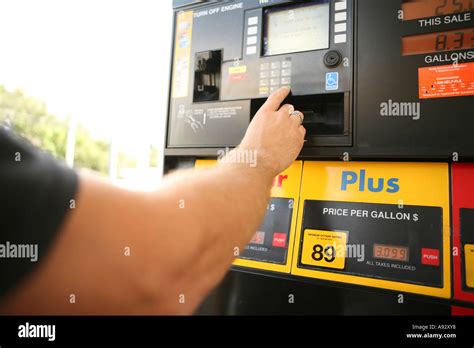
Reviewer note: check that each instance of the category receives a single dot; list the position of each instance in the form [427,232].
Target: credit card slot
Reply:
[326,117]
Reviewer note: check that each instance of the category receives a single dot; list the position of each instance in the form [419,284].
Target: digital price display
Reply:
[438,42]
[296,29]
[390,252]
[414,9]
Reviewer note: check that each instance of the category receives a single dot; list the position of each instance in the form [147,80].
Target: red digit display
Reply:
[438,42]
[390,252]
[414,9]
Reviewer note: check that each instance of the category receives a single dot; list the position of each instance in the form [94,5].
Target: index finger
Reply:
[276,98]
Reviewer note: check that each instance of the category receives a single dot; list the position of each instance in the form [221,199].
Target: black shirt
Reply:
[36,193]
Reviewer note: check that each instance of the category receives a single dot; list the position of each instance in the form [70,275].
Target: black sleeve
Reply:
[35,196]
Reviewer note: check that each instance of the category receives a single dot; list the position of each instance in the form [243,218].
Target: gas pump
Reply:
[373,207]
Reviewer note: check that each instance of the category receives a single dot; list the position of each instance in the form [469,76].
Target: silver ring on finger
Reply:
[299,115]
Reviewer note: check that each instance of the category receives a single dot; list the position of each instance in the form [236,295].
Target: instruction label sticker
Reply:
[454,80]
[238,73]
[182,54]
[241,69]
[324,248]
[469,262]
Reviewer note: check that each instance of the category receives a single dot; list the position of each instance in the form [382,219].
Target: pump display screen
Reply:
[296,29]
[390,252]
[438,42]
[414,9]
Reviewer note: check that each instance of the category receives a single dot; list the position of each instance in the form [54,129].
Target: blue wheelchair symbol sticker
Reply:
[332,81]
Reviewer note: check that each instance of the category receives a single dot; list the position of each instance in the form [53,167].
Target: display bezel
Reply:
[278,8]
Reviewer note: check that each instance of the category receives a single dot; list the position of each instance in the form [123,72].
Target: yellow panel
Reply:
[205,163]
[422,184]
[285,185]
[469,262]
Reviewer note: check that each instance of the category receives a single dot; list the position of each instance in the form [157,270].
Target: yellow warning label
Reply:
[237,69]
[324,248]
[469,262]
[182,54]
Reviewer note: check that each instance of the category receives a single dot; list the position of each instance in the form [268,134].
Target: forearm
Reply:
[207,199]
[218,209]
[157,253]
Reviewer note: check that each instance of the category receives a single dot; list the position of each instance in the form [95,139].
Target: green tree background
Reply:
[29,117]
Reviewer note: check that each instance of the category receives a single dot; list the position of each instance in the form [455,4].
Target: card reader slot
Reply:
[325,114]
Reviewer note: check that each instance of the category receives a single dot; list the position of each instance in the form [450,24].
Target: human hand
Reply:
[275,134]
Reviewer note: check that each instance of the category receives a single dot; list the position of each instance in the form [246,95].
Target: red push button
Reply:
[430,257]
[279,240]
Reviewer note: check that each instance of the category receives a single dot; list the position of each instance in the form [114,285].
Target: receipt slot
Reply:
[463,230]
[383,225]
[271,247]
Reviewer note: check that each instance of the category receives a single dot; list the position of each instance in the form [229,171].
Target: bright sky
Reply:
[105,62]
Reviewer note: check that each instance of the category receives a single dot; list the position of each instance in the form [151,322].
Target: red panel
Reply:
[463,197]
[461,311]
